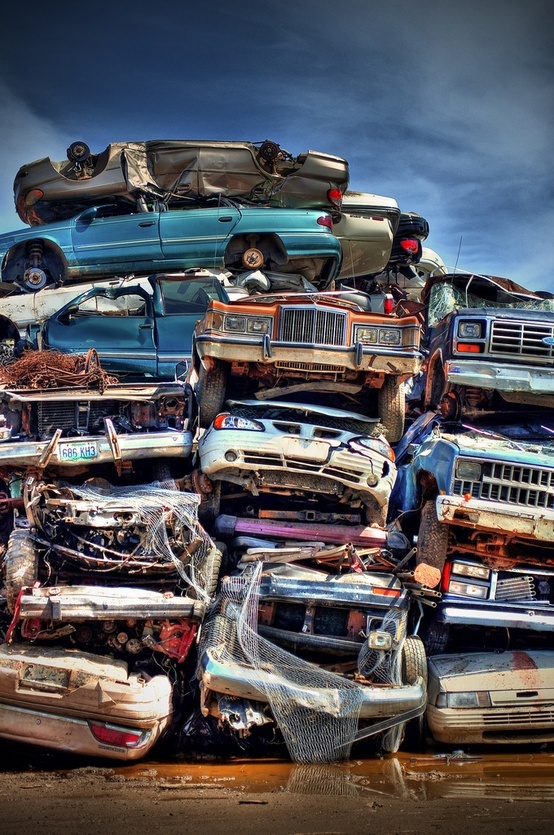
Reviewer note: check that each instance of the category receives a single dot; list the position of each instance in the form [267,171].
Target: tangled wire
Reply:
[52,369]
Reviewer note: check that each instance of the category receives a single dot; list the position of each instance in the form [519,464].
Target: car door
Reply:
[103,236]
[119,324]
[196,237]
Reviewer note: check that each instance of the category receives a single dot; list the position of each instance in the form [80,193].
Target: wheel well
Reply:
[269,243]
[434,382]
[8,329]
[16,260]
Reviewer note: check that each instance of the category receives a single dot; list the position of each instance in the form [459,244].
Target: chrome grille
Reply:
[510,483]
[515,588]
[524,339]
[312,325]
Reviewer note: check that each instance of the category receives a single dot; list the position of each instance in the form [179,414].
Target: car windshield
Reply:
[448,296]
[523,427]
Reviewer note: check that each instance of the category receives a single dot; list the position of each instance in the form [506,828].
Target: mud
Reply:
[402,793]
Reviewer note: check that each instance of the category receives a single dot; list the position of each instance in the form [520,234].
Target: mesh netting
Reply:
[316,710]
[168,531]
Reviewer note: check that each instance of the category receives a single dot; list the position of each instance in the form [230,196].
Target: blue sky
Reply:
[445,106]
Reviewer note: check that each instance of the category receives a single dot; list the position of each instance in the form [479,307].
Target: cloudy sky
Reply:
[445,106]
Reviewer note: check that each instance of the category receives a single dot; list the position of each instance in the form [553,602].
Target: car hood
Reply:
[519,671]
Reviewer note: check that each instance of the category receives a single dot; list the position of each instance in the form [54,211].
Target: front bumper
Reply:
[95,449]
[512,520]
[492,725]
[245,682]
[494,374]
[339,359]
[460,611]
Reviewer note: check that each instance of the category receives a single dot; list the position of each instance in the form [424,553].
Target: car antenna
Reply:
[459,250]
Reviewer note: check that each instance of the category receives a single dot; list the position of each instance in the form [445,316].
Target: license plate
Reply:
[306,450]
[78,452]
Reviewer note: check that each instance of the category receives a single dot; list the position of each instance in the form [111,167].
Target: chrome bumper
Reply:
[502,518]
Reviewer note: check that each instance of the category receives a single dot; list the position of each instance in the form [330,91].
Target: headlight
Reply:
[364,445]
[226,421]
[470,330]
[468,470]
[258,325]
[464,700]
[365,335]
[479,572]
[390,336]
[214,320]
[468,590]
[235,323]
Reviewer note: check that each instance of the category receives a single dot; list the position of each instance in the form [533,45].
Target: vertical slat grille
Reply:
[510,483]
[312,325]
[523,339]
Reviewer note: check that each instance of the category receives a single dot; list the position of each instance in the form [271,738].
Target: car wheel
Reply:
[161,471]
[208,577]
[413,665]
[21,565]
[392,407]
[78,152]
[210,392]
[432,539]
[253,258]
[435,637]
[208,509]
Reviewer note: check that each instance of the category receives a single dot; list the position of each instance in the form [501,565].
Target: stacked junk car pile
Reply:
[273,478]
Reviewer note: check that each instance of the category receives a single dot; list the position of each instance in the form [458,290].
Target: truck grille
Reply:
[71,416]
[523,339]
[510,483]
[312,326]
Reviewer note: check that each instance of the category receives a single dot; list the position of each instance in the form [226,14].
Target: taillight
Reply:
[33,196]
[410,245]
[446,571]
[334,196]
[388,304]
[326,220]
[115,735]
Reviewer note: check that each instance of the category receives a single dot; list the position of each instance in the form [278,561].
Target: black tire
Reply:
[210,392]
[209,507]
[432,539]
[413,665]
[218,554]
[161,470]
[78,152]
[435,637]
[391,405]
[20,565]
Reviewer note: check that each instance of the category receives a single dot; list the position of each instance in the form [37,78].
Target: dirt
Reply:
[398,794]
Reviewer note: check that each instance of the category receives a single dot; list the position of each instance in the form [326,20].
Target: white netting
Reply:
[316,710]
[168,531]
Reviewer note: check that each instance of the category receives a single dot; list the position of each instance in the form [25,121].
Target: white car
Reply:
[491,698]
[299,449]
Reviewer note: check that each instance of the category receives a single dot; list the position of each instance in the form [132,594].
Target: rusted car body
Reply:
[491,342]
[491,698]
[323,342]
[176,171]
[71,701]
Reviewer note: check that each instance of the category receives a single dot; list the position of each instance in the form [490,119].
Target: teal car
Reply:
[139,330]
[107,240]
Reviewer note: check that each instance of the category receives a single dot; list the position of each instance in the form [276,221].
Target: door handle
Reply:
[226,219]
[147,223]
[147,326]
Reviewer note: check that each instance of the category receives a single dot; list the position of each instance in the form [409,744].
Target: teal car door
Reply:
[196,237]
[105,237]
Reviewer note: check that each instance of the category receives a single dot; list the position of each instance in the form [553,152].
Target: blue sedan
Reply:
[103,240]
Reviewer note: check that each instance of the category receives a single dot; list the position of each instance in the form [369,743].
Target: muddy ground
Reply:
[404,794]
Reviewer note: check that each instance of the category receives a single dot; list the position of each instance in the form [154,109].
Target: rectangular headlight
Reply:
[470,330]
[479,572]
[468,470]
[363,334]
[258,325]
[468,590]
[235,323]
[464,700]
[390,336]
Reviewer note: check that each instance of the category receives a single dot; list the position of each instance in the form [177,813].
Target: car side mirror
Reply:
[89,214]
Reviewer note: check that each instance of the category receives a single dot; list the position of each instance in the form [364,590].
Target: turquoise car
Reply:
[107,240]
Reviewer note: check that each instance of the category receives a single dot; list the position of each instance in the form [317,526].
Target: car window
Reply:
[130,304]
[192,296]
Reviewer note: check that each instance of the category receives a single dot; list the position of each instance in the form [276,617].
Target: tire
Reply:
[161,470]
[210,392]
[78,152]
[432,539]
[391,400]
[414,660]
[218,553]
[209,507]
[20,565]
[435,637]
